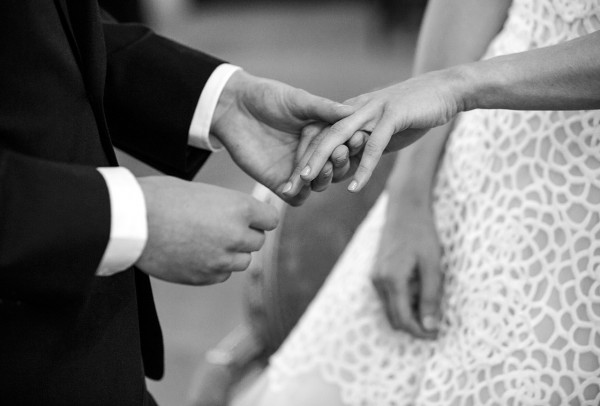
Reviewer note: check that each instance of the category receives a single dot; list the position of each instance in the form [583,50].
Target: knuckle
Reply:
[243,206]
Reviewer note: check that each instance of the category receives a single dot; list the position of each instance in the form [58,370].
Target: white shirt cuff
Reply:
[128,223]
[199,133]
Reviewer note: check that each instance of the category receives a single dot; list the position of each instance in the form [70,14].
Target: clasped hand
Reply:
[385,120]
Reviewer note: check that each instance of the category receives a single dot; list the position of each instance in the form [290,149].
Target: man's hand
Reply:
[260,123]
[199,234]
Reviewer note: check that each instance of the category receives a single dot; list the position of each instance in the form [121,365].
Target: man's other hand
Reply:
[199,234]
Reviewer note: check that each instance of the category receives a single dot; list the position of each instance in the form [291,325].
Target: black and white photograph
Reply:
[300,202]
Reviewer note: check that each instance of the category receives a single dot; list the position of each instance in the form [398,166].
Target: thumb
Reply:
[322,109]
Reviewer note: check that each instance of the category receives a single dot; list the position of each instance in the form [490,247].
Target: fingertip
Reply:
[430,323]
[357,141]
[340,156]
[353,186]
[305,172]
[274,221]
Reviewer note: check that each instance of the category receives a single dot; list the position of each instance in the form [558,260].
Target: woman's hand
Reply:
[407,274]
[341,164]
[394,117]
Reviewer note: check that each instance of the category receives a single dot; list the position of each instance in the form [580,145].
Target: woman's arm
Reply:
[559,77]
[453,32]
[409,249]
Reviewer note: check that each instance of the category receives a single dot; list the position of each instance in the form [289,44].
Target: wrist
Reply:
[476,85]
[464,83]
[229,100]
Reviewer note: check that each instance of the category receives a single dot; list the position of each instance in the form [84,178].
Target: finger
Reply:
[251,241]
[401,300]
[357,142]
[339,156]
[317,108]
[351,169]
[308,134]
[430,293]
[262,216]
[372,153]
[342,173]
[310,137]
[323,181]
[337,135]
[300,197]
[379,283]
[240,261]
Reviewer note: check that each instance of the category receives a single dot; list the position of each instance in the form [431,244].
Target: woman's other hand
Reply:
[407,275]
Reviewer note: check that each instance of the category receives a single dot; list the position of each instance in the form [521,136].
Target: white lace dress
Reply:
[518,213]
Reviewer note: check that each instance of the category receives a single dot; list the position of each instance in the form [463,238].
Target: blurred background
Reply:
[337,49]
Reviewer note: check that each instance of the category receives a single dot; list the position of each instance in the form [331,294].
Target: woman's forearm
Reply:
[446,39]
[411,180]
[560,77]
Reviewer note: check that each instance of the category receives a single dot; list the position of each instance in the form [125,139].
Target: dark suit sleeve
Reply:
[152,88]
[51,239]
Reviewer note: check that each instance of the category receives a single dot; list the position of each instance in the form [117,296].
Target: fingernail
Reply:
[353,185]
[287,187]
[305,171]
[430,323]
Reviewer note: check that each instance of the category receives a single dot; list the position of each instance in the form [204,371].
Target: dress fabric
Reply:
[517,207]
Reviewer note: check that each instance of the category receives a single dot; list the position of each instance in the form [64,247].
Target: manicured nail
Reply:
[287,187]
[430,323]
[353,185]
[305,171]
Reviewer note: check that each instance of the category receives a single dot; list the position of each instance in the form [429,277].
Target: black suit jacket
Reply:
[71,88]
